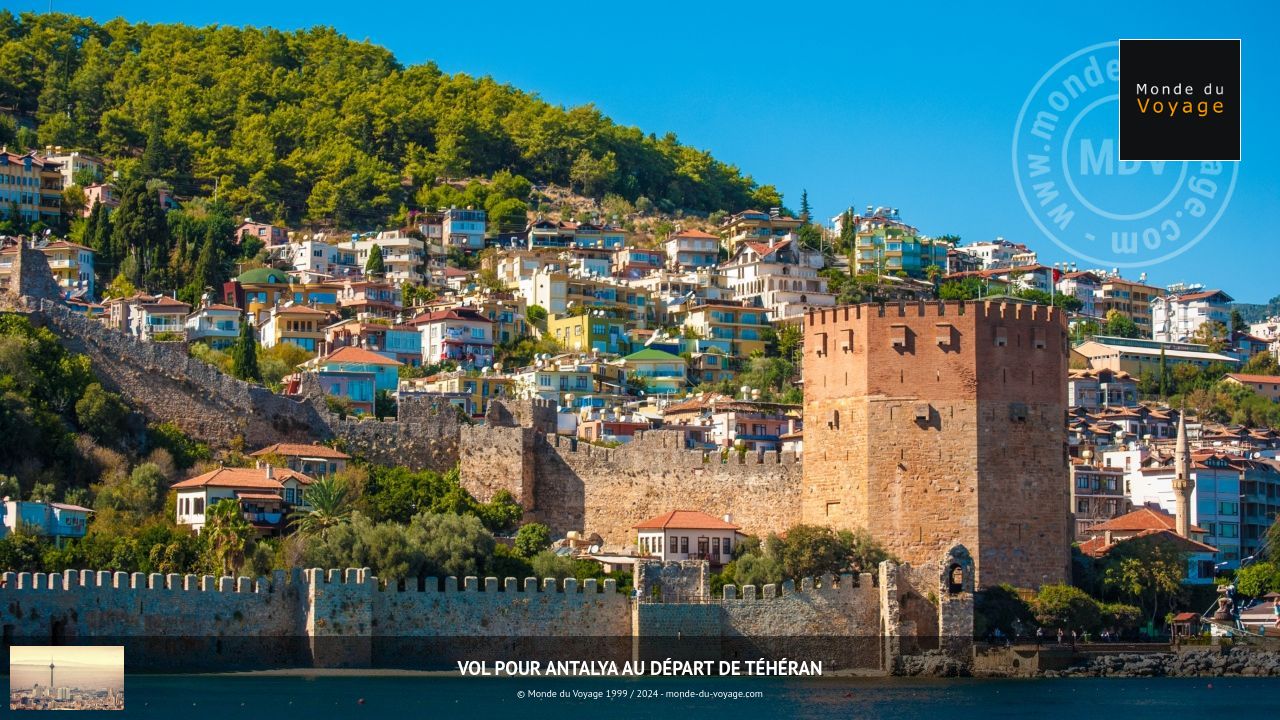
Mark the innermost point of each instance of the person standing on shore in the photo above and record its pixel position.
(1039, 637)
(1060, 635)
(1275, 610)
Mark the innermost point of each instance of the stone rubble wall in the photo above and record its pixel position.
(573, 485)
(166, 384)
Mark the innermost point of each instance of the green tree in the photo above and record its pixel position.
(328, 504)
(805, 210)
(531, 539)
(1212, 334)
(227, 536)
(141, 232)
(1148, 572)
(1238, 323)
(1163, 374)
(1068, 608)
(101, 414)
(1258, 579)
(1120, 325)
(374, 266)
(244, 354)
(155, 161)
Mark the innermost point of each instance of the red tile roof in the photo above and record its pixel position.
(252, 478)
(763, 249)
(454, 313)
(351, 354)
(301, 450)
(1247, 378)
(1144, 518)
(1097, 546)
(686, 520)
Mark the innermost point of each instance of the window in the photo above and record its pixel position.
(1082, 481)
(1228, 530)
(199, 506)
(684, 545)
(1082, 506)
(728, 546)
(715, 546)
(1228, 508)
(675, 544)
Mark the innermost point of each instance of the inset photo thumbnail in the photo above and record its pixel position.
(63, 677)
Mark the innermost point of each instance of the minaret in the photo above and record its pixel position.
(1182, 482)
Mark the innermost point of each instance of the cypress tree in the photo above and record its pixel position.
(1164, 375)
(805, 210)
(374, 267)
(244, 354)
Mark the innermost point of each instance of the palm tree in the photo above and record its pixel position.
(227, 534)
(329, 500)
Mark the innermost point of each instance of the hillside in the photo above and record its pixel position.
(312, 127)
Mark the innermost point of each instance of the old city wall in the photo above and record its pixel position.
(171, 621)
(348, 618)
(163, 382)
(902, 442)
(572, 485)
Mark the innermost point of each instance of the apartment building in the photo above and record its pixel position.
(1177, 316)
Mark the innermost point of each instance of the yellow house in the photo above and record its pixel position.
(594, 330)
(297, 324)
(258, 290)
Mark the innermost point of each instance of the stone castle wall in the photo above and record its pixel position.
(349, 618)
(572, 485)
(166, 384)
(929, 424)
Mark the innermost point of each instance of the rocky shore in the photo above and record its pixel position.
(1207, 662)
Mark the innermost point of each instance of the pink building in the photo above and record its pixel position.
(267, 233)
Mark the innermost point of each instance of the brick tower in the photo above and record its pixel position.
(932, 424)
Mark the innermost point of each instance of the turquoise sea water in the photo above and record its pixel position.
(257, 697)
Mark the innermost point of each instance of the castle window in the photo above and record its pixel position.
(944, 333)
(848, 341)
(1002, 337)
(1038, 339)
(822, 344)
(898, 334)
(1018, 412)
(955, 579)
(834, 421)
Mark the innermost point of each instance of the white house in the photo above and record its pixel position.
(688, 535)
(1176, 317)
(214, 324)
(266, 495)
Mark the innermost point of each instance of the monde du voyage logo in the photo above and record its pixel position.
(1123, 152)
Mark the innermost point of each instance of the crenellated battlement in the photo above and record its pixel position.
(847, 587)
(72, 581)
(1022, 312)
(669, 444)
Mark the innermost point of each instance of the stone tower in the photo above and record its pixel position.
(1182, 482)
(937, 424)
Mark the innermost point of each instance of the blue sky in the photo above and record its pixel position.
(912, 107)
